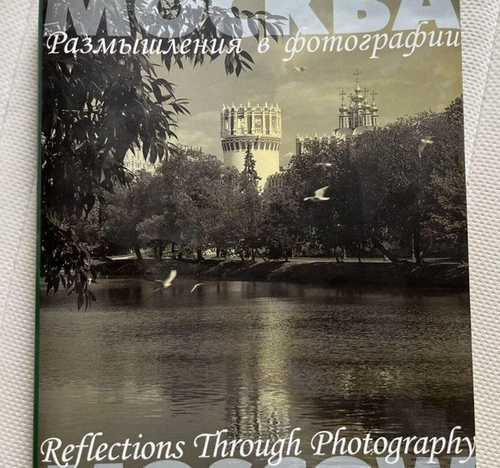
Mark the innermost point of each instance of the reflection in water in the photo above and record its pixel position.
(256, 358)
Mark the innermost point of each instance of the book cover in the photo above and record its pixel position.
(252, 236)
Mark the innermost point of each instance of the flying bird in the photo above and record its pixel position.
(319, 195)
(424, 142)
(197, 286)
(300, 69)
(324, 164)
(168, 282)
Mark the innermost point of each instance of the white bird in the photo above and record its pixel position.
(424, 142)
(197, 286)
(324, 164)
(168, 282)
(319, 195)
(300, 69)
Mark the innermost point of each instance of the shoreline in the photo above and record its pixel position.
(322, 272)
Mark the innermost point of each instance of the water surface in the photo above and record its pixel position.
(255, 358)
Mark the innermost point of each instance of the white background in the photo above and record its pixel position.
(18, 145)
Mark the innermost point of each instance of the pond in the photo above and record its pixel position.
(258, 359)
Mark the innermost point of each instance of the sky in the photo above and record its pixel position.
(428, 80)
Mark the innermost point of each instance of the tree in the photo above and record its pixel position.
(317, 223)
(345, 195)
(413, 200)
(125, 209)
(156, 232)
(250, 207)
(389, 181)
(190, 182)
(383, 195)
(280, 221)
(224, 227)
(447, 222)
(96, 108)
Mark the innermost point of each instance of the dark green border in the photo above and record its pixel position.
(36, 408)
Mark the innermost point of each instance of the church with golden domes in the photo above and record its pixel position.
(355, 118)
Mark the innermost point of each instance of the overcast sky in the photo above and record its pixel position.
(428, 80)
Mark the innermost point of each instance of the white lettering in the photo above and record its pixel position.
(358, 16)
(412, 12)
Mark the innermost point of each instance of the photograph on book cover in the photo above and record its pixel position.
(253, 235)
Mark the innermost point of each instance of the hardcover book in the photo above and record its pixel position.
(253, 236)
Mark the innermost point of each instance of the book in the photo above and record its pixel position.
(253, 236)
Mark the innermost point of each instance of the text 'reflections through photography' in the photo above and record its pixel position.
(253, 237)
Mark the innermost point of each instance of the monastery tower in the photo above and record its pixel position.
(255, 127)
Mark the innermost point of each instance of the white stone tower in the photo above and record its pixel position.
(257, 127)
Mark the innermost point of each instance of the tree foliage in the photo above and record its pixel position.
(383, 199)
(249, 207)
(384, 196)
(193, 203)
(98, 107)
